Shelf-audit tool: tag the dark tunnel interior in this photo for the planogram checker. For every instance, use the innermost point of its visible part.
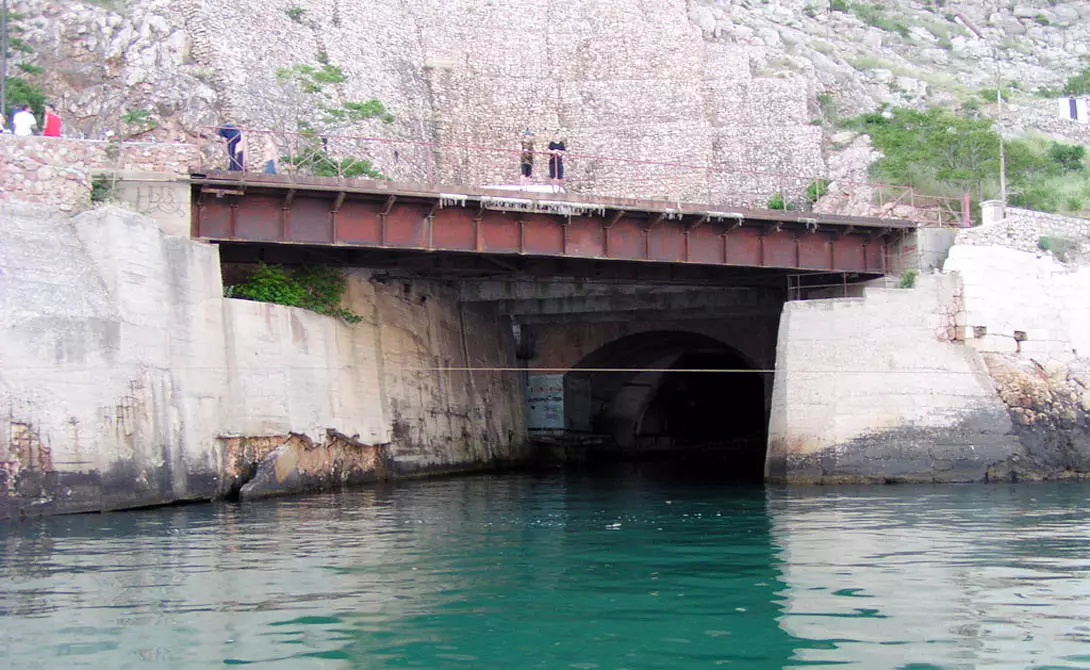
(689, 401)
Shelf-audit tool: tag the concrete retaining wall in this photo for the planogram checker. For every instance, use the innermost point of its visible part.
(874, 389)
(128, 380)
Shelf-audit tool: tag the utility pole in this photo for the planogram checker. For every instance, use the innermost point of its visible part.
(999, 104)
(4, 60)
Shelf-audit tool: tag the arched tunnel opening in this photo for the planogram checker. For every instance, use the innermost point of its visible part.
(679, 398)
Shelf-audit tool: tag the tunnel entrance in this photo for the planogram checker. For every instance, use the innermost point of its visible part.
(681, 398)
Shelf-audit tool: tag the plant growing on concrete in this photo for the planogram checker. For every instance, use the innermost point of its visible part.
(317, 288)
(776, 201)
(103, 188)
(908, 279)
(1060, 247)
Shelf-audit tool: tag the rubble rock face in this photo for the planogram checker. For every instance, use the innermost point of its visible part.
(740, 87)
(1050, 408)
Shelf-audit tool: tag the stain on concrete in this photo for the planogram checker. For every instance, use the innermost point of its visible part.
(297, 464)
(973, 450)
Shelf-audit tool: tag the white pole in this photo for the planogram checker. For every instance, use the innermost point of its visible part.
(4, 59)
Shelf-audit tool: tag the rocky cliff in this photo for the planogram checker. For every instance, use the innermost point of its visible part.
(738, 85)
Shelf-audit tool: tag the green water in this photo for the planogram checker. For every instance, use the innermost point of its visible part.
(633, 571)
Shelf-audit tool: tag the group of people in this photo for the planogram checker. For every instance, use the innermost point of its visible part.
(23, 122)
(556, 149)
(238, 148)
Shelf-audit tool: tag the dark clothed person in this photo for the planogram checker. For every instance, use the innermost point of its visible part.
(232, 135)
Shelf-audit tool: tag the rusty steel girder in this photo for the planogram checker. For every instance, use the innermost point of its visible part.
(371, 214)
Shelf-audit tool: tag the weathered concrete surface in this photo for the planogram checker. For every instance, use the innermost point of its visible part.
(874, 389)
(128, 379)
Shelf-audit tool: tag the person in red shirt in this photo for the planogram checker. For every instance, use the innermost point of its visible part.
(52, 127)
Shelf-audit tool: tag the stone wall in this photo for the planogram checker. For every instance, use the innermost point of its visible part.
(874, 389)
(58, 172)
(1022, 229)
(128, 379)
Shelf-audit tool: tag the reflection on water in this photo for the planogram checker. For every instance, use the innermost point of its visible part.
(557, 572)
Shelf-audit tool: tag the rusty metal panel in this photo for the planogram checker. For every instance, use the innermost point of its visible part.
(406, 226)
(583, 237)
(454, 229)
(311, 220)
(500, 232)
(875, 256)
(358, 222)
(780, 251)
(259, 218)
(625, 240)
(849, 254)
(744, 247)
(666, 243)
(543, 235)
(214, 218)
(814, 252)
(705, 245)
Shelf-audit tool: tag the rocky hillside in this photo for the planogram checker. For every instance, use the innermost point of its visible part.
(743, 84)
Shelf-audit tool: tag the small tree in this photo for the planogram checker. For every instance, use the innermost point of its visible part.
(19, 89)
(306, 100)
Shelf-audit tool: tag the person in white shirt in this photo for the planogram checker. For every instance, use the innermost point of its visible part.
(23, 121)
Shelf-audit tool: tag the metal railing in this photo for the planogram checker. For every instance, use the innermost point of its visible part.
(307, 155)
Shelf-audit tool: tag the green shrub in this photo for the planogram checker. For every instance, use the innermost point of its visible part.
(816, 189)
(1041, 19)
(317, 288)
(1067, 157)
(1060, 247)
(1078, 84)
(839, 5)
(103, 188)
(908, 279)
(874, 15)
(295, 13)
(776, 202)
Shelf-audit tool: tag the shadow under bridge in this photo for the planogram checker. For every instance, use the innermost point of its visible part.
(669, 395)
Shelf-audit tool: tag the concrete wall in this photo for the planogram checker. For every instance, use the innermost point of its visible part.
(875, 389)
(129, 380)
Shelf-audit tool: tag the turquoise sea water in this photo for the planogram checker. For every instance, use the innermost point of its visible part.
(564, 571)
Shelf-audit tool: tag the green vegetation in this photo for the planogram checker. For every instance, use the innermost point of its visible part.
(308, 96)
(839, 5)
(21, 90)
(1079, 84)
(776, 201)
(827, 105)
(317, 288)
(139, 121)
(1060, 247)
(941, 153)
(295, 13)
(103, 188)
(816, 189)
(875, 15)
(908, 279)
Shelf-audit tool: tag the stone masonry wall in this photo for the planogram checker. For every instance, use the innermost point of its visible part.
(58, 171)
(1022, 229)
(129, 380)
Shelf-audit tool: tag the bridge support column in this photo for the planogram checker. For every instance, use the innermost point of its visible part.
(873, 389)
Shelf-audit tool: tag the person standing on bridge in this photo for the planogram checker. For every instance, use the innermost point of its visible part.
(52, 126)
(556, 160)
(232, 135)
(526, 157)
